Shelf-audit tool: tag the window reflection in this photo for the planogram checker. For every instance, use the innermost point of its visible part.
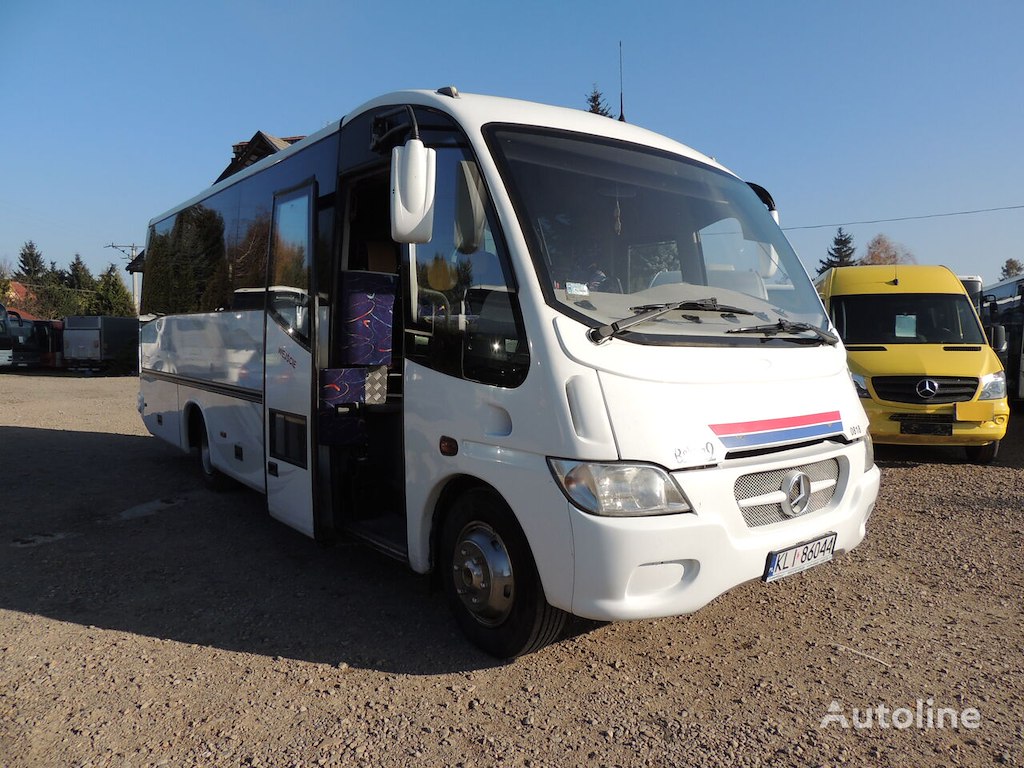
(288, 300)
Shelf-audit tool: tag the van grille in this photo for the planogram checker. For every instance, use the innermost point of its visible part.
(903, 389)
(760, 495)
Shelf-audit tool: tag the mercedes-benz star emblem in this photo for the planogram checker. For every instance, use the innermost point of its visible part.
(796, 488)
(927, 389)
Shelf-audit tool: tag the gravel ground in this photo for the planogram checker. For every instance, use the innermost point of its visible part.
(145, 621)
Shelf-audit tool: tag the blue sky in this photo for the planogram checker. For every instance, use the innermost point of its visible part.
(115, 111)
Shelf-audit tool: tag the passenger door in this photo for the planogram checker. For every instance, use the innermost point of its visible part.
(289, 361)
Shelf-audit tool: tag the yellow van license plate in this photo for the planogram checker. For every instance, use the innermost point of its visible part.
(940, 428)
(800, 558)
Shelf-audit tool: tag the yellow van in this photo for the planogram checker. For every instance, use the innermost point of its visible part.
(919, 358)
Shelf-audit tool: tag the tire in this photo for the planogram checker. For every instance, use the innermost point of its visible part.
(490, 579)
(212, 478)
(983, 454)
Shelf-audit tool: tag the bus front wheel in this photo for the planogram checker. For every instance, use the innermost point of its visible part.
(491, 580)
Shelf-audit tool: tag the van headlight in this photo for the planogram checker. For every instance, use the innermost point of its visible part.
(619, 490)
(860, 383)
(993, 386)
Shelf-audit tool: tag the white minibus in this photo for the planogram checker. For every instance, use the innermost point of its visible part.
(565, 364)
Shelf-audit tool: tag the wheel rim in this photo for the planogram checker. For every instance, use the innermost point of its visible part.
(482, 574)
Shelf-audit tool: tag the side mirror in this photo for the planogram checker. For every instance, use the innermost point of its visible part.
(469, 207)
(412, 192)
(997, 338)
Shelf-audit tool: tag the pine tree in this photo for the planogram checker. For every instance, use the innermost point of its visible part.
(79, 277)
(112, 296)
(841, 252)
(31, 268)
(597, 104)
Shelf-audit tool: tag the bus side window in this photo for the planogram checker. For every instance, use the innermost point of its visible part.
(466, 320)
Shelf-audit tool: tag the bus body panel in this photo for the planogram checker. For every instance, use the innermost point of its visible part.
(287, 432)
(1003, 304)
(213, 363)
(910, 351)
(234, 425)
(497, 431)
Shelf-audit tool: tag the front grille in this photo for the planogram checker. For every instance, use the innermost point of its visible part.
(760, 495)
(904, 389)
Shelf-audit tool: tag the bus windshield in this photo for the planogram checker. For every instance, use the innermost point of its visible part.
(907, 318)
(616, 229)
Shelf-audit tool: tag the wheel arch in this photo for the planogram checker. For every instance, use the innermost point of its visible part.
(194, 420)
(452, 489)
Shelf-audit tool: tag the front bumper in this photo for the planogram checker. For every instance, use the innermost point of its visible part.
(971, 423)
(635, 568)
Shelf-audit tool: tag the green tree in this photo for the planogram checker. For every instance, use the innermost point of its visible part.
(597, 104)
(112, 296)
(79, 277)
(5, 281)
(53, 299)
(31, 267)
(841, 252)
(1011, 268)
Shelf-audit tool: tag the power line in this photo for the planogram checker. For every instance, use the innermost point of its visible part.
(909, 218)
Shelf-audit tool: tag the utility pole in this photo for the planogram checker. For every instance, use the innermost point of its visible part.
(130, 252)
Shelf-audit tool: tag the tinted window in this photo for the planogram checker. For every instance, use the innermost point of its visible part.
(198, 259)
(187, 268)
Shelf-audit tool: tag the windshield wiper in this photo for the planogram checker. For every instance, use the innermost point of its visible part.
(785, 326)
(646, 312)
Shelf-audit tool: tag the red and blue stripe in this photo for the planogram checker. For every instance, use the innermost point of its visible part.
(791, 429)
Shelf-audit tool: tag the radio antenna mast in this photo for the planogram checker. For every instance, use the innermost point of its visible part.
(622, 111)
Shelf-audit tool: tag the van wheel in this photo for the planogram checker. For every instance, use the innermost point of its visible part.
(212, 477)
(983, 454)
(491, 580)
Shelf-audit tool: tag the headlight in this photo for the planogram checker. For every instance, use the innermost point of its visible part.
(869, 452)
(993, 386)
(619, 490)
(860, 383)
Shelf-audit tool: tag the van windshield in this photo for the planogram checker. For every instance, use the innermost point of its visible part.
(906, 318)
(617, 228)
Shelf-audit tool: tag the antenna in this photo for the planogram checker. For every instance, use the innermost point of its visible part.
(622, 111)
(130, 252)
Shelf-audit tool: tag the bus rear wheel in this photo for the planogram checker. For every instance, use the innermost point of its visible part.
(983, 454)
(491, 580)
(212, 477)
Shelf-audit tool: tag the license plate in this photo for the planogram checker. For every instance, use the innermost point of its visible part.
(800, 558)
(943, 429)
